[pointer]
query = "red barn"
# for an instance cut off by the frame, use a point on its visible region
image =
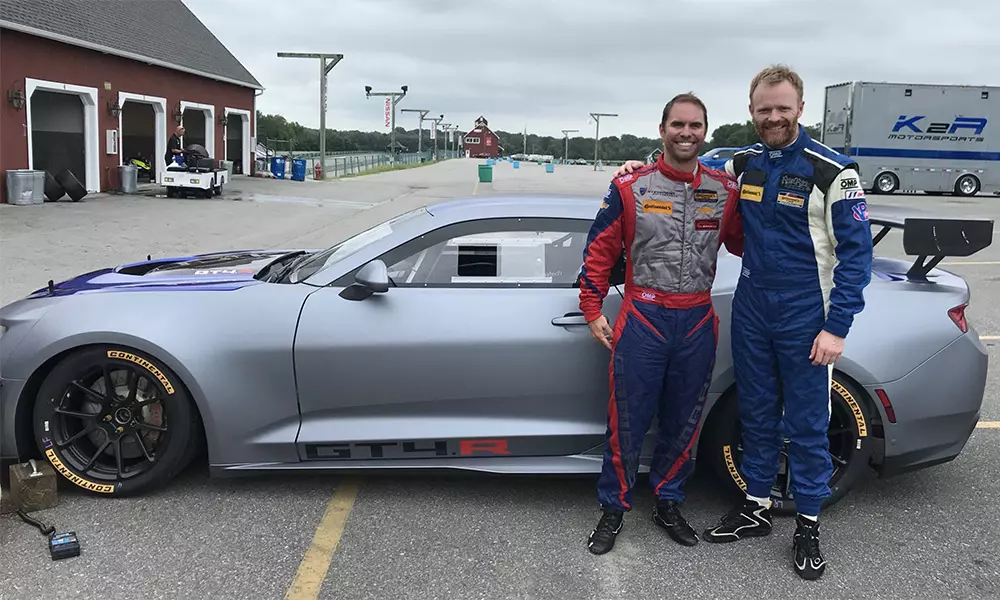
(89, 85)
(481, 142)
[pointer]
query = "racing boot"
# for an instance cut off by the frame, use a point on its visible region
(747, 520)
(809, 563)
(602, 539)
(667, 514)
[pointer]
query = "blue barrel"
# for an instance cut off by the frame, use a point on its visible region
(517, 165)
(278, 166)
(299, 169)
(550, 168)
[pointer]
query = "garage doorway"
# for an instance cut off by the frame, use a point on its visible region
(62, 130)
(143, 125)
(199, 125)
(238, 140)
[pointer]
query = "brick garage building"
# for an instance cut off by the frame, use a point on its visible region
(88, 85)
(481, 142)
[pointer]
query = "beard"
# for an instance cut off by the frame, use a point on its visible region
(777, 135)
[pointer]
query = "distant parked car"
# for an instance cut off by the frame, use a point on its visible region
(716, 157)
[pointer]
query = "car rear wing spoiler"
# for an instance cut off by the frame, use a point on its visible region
(931, 238)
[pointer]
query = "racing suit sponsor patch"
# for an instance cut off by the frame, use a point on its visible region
(706, 224)
(791, 200)
(854, 194)
(753, 193)
(705, 210)
(860, 211)
(795, 183)
(706, 196)
(848, 183)
(658, 206)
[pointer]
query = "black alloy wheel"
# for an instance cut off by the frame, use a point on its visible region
(849, 433)
(115, 421)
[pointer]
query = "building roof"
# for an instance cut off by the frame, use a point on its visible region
(164, 33)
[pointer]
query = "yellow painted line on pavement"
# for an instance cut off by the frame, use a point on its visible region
(316, 562)
(475, 189)
(988, 425)
(989, 337)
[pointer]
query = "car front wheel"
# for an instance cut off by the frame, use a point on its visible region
(849, 434)
(115, 421)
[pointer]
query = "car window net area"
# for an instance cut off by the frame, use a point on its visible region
(511, 257)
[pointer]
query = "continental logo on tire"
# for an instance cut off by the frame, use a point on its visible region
(118, 354)
(80, 481)
(859, 417)
(734, 472)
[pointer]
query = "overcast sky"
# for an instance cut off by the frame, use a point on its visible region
(547, 64)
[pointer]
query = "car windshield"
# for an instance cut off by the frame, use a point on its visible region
(348, 247)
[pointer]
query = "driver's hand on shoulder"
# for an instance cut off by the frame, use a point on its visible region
(629, 166)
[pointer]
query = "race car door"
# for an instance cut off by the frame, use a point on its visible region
(477, 349)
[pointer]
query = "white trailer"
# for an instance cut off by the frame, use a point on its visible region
(917, 137)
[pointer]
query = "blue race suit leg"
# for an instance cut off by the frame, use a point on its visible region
(638, 366)
(756, 370)
(685, 391)
(806, 391)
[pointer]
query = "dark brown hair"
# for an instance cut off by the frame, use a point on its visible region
(688, 97)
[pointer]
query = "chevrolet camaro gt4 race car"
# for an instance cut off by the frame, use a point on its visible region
(447, 337)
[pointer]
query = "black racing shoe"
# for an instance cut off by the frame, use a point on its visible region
(602, 539)
(747, 520)
(809, 563)
(667, 515)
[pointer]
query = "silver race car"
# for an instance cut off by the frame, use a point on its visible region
(446, 337)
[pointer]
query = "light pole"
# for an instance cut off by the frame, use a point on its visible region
(420, 127)
(326, 63)
(396, 97)
(435, 120)
(566, 133)
(444, 129)
(597, 134)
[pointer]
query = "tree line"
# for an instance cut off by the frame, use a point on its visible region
(280, 134)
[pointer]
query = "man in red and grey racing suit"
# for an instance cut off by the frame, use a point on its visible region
(670, 225)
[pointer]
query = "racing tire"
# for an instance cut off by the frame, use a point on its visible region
(851, 447)
(127, 442)
(53, 191)
(71, 184)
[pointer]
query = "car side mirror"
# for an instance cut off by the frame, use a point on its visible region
(373, 278)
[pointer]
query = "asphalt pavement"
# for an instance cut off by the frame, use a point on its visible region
(930, 534)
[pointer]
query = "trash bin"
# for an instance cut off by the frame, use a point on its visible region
(517, 164)
(485, 174)
(128, 176)
(299, 169)
(25, 187)
(550, 168)
(228, 166)
(278, 166)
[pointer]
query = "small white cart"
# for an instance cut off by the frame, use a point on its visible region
(196, 182)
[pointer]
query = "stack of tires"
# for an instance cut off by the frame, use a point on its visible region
(62, 184)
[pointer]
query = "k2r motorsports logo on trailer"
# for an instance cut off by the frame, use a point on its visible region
(916, 128)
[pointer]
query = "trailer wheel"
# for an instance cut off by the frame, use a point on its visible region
(886, 183)
(967, 185)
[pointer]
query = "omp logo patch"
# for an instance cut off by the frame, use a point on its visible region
(706, 224)
(705, 210)
(795, 183)
(142, 362)
(625, 178)
(732, 185)
(658, 206)
(860, 211)
(706, 196)
(848, 183)
(648, 296)
(854, 194)
(791, 200)
(753, 193)
(80, 481)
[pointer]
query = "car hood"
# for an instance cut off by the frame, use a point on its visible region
(222, 271)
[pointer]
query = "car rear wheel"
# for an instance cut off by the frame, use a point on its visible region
(849, 434)
(115, 421)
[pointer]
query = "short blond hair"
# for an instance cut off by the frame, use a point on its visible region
(774, 75)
